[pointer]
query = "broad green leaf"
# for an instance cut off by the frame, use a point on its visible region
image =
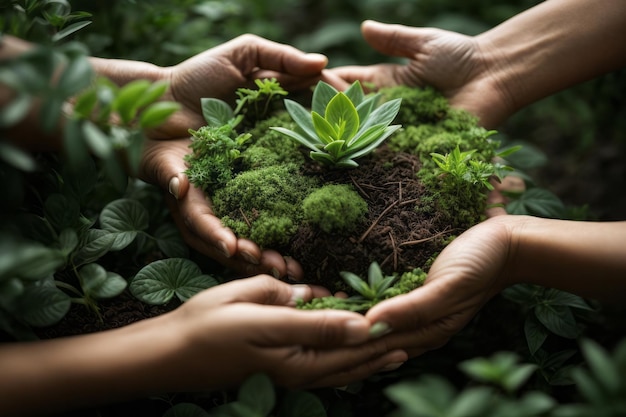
(170, 241)
(322, 95)
(216, 112)
(126, 103)
(514, 379)
(125, 217)
(537, 403)
(16, 110)
(389, 130)
(76, 76)
(86, 103)
(69, 30)
(10, 290)
(159, 281)
(97, 141)
(602, 366)
(524, 294)
(97, 243)
(302, 118)
(324, 130)
(385, 114)
(152, 94)
(557, 297)
(429, 396)
(97, 282)
(186, 410)
(374, 275)
(473, 402)
(355, 93)
(16, 157)
(536, 334)
(537, 202)
(257, 392)
(322, 157)
(342, 115)
(42, 305)
(28, 261)
(68, 241)
(365, 137)
(558, 319)
(335, 148)
(301, 404)
(365, 108)
(157, 113)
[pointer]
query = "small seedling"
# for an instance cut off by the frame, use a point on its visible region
(341, 127)
(375, 287)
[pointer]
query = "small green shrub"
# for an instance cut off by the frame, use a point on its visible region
(334, 208)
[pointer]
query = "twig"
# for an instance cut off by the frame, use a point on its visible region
(415, 242)
(369, 229)
(245, 218)
(395, 252)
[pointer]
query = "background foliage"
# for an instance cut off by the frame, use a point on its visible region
(521, 353)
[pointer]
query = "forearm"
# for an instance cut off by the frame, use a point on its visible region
(585, 258)
(87, 370)
(555, 45)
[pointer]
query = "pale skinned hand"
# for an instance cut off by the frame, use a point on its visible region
(449, 61)
(248, 326)
(218, 73)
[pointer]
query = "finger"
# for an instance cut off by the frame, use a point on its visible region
(381, 75)
(263, 289)
(393, 40)
(496, 200)
(294, 269)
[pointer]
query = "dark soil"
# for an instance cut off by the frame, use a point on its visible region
(395, 234)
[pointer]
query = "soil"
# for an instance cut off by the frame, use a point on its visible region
(395, 234)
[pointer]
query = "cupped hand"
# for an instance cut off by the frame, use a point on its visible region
(451, 62)
(465, 275)
(247, 326)
(220, 71)
(162, 164)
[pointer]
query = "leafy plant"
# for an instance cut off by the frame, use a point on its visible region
(342, 126)
(375, 287)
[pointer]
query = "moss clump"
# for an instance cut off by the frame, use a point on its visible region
(214, 151)
(275, 229)
(419, 105)
(334, 208)
(271, 147)
(275, 191)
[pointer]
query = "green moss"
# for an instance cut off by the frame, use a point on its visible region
(334, 208)
(271, 147)
(419, 105)
(408, 282)
(278, 189)
(274, 230)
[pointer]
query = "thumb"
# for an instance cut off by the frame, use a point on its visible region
(163, 165)
(264, 289)
(393, 40)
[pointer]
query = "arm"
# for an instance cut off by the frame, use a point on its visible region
(214, 340)
(586, 258)
(547, 48)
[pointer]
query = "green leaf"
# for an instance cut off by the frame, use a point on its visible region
(61, 212)
(125, 217)
(558, 319)
(77, 75)
(159, 281)
(374, 275)
(15, 110)
(17, 158)
(74, 144)
(152, 94)
(97, 282)
(358, 284)
(385, 114)
(334, 148)
(324, 130)
(68, 241)
(69, 30)
(314, 146)
(365, 108)
(257, 392)
(514, 379)
(170, 242)
(355, 93)
(28, 261)
(562, 298)
(389, 130)
(303, 119)
(471, 402)
(186, 410)
(50, 112)
(536, 334)
(98, 142)
(537, 202)
(86, 103)
(216, 112)
(601, 365)
(97, 243)
(342, 115)
(43, 305)
(322, 95)
(429, 396)
(157, 113)
(536, 403)
(126, 103)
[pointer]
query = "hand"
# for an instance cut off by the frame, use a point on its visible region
(163, 165)
(449, 61)
(467, 273)
(219, 71)
(246, 326)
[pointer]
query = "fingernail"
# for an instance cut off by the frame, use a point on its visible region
(355, 331)
(379, 329)
(224, 249)
(298, 292)
(275, 273)
(249, 258)
(392, 366)
(174, 187)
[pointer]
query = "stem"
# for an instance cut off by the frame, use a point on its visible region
(68, 287)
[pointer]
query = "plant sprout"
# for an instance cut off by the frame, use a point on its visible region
(376, 285)
(342, 126)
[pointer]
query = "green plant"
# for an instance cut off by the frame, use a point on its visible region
(341, 127)
(334, 208)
